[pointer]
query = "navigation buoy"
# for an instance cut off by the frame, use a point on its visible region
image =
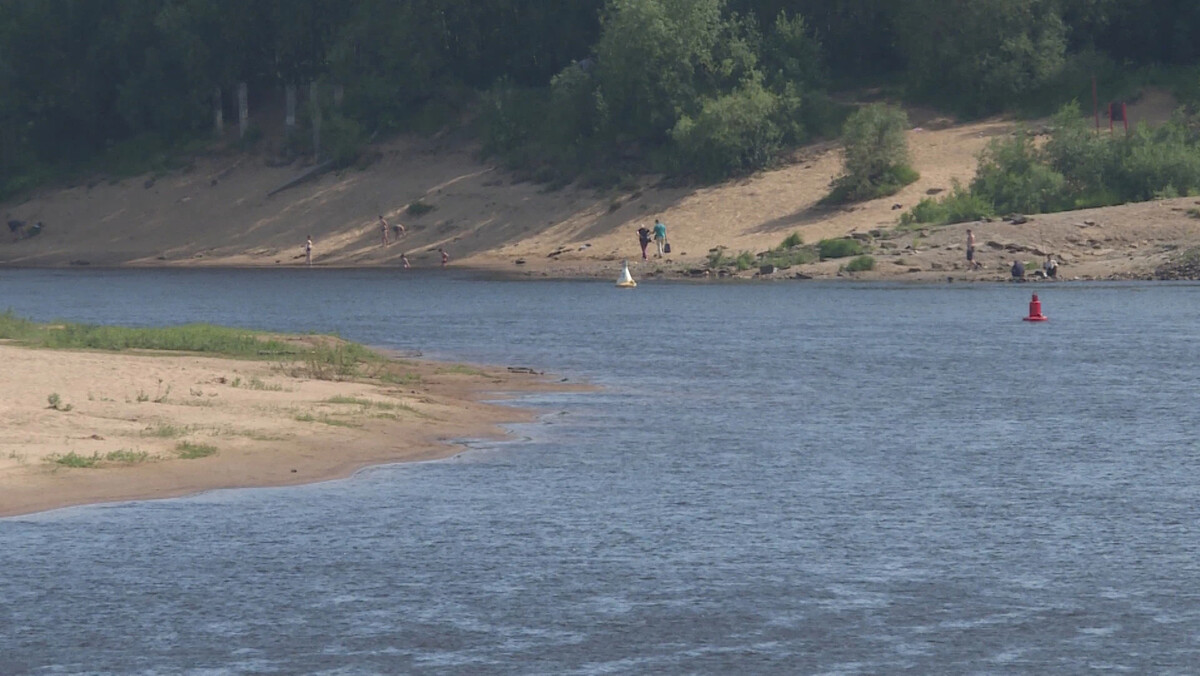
(1035, 311)
(625, 281)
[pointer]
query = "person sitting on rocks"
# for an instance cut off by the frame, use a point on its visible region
(1018, 271)
(1050, 267)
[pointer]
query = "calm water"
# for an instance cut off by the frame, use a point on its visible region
(791, 478)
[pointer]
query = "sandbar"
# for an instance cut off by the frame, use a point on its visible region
(85, 427)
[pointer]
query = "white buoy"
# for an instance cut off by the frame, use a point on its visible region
(625, 281)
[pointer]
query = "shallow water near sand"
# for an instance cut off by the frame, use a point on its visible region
(775, 478)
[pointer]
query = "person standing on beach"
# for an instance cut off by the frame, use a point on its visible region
(644, 239)
(308, 251)
(971, 262)
(383, 228)
(660, 236)
(404, 261)
(445, 256)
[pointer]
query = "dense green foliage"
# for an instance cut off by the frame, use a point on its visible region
(701, 87)
(1075, 168)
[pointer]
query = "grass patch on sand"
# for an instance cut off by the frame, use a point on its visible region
(188, 450)
(326, 420)
(165, 431)
(365, 403)
(461, 369)
(122, 456)
(321, 357)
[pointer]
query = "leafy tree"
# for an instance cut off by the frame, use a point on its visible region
(984, 54)
(732, 134)
(792, 53)
(649, 57)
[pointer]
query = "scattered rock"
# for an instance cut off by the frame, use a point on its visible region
(934, 191)
(1017, 219)
(520, 261)
(766, 269)
(148, 184)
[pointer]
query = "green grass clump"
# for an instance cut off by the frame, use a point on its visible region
(745, 260)
(127, 457)
(122, 456)
(256, 383)
(839, 248)
(365, 403)
(190, 451)
(73, 459)
(164, 431)
(326, 420)
(57, 404)
(792, 241)
(861, 264)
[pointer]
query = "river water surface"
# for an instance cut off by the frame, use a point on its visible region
(774, 478)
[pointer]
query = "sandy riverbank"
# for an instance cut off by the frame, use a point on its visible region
(138, 418)
(223, 209)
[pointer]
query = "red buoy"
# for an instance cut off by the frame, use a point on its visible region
(1035, 311)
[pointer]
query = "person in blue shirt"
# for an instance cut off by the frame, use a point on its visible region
(1018, 271)
(660, 236)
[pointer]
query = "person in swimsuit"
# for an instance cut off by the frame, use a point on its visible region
(308, 251)
(383, 228)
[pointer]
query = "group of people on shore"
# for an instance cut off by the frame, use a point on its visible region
(1049, 267)
(658, 234)
(386, 230)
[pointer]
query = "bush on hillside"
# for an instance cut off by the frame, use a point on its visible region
(1012, 177)
(1160, 162)
(839, 248)
(876, 161)
(861, 264)
(958, 206)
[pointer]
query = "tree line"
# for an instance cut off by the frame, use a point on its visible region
(704, 87)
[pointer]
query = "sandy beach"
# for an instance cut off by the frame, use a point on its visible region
(86, 427)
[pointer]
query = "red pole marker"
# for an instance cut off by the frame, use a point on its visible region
(1035, 311)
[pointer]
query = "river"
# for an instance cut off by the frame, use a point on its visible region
(816, 478)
